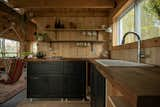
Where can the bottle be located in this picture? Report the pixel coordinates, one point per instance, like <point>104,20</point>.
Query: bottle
<point>56,24</point>
<point>59,24</point>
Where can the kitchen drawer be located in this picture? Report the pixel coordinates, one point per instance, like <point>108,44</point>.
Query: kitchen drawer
<point>45,67</point>
<point>74,67</point>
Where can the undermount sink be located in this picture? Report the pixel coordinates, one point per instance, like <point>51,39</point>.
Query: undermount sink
<point>120,63</point>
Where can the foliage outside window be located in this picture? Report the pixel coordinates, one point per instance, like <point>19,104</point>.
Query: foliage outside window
<point>150,28</point>
<point>143,19</point>
<point>153,7</point>
<point>9,48</point>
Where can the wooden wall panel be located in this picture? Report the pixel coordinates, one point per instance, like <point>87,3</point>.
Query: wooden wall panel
<point>31,28</point>
<point>71,49</point>
<point>152,55</point>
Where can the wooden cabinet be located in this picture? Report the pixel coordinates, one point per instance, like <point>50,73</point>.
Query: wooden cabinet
<point>97,88</point>
<point>61,79</point>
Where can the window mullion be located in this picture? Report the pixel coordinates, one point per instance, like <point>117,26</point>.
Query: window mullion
<point>137,22</point>
<point>3,47</point>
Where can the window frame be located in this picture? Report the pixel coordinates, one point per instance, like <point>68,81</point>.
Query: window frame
<point>119,39</point>
<point>137,22</point>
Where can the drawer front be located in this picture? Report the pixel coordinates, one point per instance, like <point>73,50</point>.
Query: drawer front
<point>45,67</point>
<point>74,67</point>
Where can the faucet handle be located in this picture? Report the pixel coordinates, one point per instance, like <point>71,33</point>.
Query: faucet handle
<point>142,53</point>
<point>123,42</point>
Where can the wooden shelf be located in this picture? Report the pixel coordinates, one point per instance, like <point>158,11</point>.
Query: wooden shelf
<point>118,101</point>
<point>61,41</point>
<point>77,29</point>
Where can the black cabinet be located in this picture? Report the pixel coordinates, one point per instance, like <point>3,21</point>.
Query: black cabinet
<point>62,79</point>
<point>97,88</point>
<point>55,86</point>
<point>45,68</point>
<point>73,87</point>
<point>37,87</point>
<point>74,79</point>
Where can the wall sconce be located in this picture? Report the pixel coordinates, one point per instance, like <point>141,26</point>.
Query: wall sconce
<point>109,30</point>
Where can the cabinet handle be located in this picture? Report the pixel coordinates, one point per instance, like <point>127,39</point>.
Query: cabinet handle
<point>35,77</point>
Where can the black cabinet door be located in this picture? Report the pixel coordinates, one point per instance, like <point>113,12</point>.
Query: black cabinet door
<point>100,90</point>
<point>74,79</point>
<point>97,88</point>
<point>74,87</point>
<point>55,88</point>
<point>69,67</point>
<point>92,70</point>
<point>37,87</point>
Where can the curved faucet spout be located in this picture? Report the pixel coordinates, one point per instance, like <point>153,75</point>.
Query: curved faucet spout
<point>134,33</point>
<point>138,41</point>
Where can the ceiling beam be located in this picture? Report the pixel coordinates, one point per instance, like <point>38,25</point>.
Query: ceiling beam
<point>62,3</point>
<point>48,12</point>
<point>6,9</point>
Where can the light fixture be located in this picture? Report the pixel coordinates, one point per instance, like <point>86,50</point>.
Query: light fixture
<point>6,1</point>
<point>19,10</point>
<point>109,30</point>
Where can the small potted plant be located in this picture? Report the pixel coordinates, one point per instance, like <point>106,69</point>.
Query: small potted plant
<point>40,54</point>
<point>25,55</point>
<point>40,36</point>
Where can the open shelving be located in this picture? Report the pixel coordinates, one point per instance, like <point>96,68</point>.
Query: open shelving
<point>76,29</point>
<point>96,41</point>
<point>56,30</point>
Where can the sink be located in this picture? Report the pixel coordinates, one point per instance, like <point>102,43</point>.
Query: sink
<point>120,63</point>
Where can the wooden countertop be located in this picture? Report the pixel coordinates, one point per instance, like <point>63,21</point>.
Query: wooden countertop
<point>54,59</point>
<point>137,81</point>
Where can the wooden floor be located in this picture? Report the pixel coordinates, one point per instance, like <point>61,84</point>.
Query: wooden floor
<point>27,103</point>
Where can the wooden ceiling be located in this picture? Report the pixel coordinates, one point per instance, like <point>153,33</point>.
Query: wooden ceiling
<point>49,8</point>
<point>63,3</point>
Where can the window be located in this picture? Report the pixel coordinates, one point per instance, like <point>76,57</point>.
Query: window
<point>148,22</point>
<point>9,48</point>
<point>126,24</point>
<point>1,47</point>
<point>140,20</point>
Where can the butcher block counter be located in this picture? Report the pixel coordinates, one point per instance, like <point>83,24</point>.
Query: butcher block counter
<point>56,59</point>
<point>140,86</point>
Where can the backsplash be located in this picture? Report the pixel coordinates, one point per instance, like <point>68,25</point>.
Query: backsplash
<point>152,55</point>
